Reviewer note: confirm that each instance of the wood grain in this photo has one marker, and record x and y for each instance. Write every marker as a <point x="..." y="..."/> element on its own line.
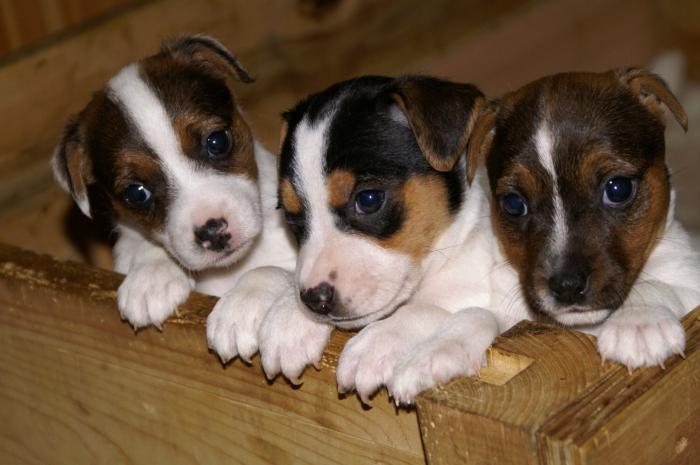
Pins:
<point x="566" y="407"/>
<point x="78" y="386"/>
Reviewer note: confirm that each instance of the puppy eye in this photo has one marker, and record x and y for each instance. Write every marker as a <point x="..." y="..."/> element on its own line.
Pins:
<point x="369" y="201"/>
<point x="218" y="144"/>
<point x="514" y="204"/>
<point x="137" y="195"/>
<point x="619" y="191"/>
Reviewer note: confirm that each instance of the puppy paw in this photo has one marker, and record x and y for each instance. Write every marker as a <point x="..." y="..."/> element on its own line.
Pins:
<point x="367" y="361"/>
<point x="150" y="293"/>
<point x="290" y="340"/>
<point x="641" y="336"/>
<point x="457" y="348"/>
<point x="233" y="324"/>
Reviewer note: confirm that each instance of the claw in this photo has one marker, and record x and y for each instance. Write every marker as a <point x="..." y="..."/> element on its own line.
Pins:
<point x="296" y="380"/>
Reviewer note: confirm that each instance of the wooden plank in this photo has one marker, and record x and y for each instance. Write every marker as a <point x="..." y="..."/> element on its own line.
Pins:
<point x="565" y="407"/>
<point x="78" y="386"/>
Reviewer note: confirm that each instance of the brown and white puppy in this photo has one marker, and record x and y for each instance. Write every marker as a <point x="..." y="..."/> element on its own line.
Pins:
<point x="582" y="206"/>
<point x="164" y="151"/>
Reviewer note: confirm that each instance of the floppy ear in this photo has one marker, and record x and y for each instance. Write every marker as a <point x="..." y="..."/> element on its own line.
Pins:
<point x="72" y="167"/>
<point x="441" y="115"/>
<point x="651" y="91"/>
<point x="481" y="139"/>
<point x="209" y="51"/>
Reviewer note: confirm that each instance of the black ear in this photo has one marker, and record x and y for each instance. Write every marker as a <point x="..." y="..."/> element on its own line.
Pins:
<point x="207" y="50"/>
<point x="652" y="91"/>
<point x="72" y="167"/>
<point x="441" y="115"/>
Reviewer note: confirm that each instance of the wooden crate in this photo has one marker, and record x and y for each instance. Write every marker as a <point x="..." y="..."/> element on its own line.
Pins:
<point x="78" y="386"/>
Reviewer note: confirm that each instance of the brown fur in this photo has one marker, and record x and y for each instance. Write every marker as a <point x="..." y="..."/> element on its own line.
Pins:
<point x="289" y="198"/>
<point x="340" y="185"/>
<point x="427" y="215"/>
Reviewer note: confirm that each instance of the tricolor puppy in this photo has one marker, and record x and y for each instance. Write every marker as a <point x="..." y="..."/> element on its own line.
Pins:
<point x="373" y="185"/>
<point x="583" y="209"/>
<point x="164" y="151"/>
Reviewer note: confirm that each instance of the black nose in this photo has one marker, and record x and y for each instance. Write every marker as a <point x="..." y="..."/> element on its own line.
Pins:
<point x="319" y="299"/>
<point x="213" y="235"/>
<point x="569" y="287"/>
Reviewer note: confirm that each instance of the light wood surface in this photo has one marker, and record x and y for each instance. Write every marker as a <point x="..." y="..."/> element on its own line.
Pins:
<point x="563" y="406"/>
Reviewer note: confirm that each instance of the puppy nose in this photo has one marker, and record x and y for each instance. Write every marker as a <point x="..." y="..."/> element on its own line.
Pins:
<point x="569" y="287"/>
<point x="319" y="299"/>
<point x="212" y="235"/>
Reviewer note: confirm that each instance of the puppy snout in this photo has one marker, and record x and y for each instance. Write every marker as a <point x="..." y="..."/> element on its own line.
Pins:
<point x="569" y="286"/>
<point x="213" y="234"/>
<point x="320" y="299"/>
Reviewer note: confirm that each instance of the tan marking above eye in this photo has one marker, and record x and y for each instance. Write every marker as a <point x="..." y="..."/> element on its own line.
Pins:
<point x="340" y="185"/>
<point x="289" y="198"/>
<point x="426" y="216"/>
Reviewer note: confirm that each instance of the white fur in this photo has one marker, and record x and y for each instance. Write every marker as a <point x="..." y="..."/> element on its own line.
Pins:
<point x="545" y="154"/>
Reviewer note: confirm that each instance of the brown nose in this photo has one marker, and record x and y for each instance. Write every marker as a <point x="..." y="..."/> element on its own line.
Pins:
<point x="319" y="299"/>
<point x="212" y="235"/>
<point x="569" y="286"/>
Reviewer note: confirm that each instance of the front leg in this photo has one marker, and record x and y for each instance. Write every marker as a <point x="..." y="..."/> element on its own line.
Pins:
<point x="646" y="329"/>
<point x="154" y="285"/>
<point x="367" y="361"/>
<point x="456" y="348"/>
<point x="233" y="324"/>
<point x="289" y="339"/>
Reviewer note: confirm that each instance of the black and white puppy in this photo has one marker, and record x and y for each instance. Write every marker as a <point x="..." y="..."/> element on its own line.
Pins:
<point x="584" y="209"/>
<point x="373" y="184"/>
<point x="164" y="151"/>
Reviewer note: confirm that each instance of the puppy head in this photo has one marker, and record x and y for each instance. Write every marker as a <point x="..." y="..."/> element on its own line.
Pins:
<point x="163" y="148"/>
<point x="580" y="187"/>
<point x="369" y="179"/>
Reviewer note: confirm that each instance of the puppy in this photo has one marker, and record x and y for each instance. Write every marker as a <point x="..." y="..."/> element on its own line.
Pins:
<point x="373" y="185"/>
<point x="164" y="151"/>
<point x="582" y="207"/>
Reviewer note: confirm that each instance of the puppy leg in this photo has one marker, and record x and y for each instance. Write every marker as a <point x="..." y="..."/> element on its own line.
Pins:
<point x="289" y="339"/>
<point x="646" y="329"/>
<point x="154" y="285"/>
<point x="233" y="324"/>
<point x="368" y="359"/>
<point x="456" y="348"/>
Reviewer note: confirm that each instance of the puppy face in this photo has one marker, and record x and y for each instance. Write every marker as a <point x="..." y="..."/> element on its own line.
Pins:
<point x="368" y="182"/>
<point x="580" y="187"/>
<point x="163" y="148"/>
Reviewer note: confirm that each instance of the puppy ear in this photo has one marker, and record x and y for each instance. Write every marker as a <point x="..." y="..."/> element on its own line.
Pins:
<point x="480" y="140"/>
<point x="652" y="90"/>
<point x="72" y="167"/>
<point x="441" y="115"/>
<point x="207" y="50"/>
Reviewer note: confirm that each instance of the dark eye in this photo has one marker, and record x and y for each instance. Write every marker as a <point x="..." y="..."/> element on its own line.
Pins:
<point x="514" y="204"/>
<point x="619" y="190"/>
<point x="218" y="144"/>
<point x="137" y="195"/>
<point x="369" y="201"/>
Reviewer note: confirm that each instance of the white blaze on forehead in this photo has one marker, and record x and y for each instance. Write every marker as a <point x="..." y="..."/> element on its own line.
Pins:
<point x="545" y="153"/>
<point x="147" y="112"/>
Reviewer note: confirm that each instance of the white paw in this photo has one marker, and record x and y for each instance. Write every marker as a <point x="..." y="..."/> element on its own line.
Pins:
<point x="150" y="293"/>
<point x="367" y="361"/>
<point x="641" y="336"/>
<point x="233" y="324"/>
<point x="290" y="341"/>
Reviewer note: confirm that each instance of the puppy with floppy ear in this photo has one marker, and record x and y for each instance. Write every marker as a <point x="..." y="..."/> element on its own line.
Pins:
<point x="582" y="206"/>
<point x="164" y="152"/>
<point x="373" y="184"/>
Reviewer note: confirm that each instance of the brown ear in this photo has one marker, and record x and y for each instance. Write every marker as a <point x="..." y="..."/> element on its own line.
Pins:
<point x="207" y="50"/>
<point x="481" y="139"/>
<point x="652" y="90"/>
<point x="72" y="167"/>
<point x="441" y="115"/>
